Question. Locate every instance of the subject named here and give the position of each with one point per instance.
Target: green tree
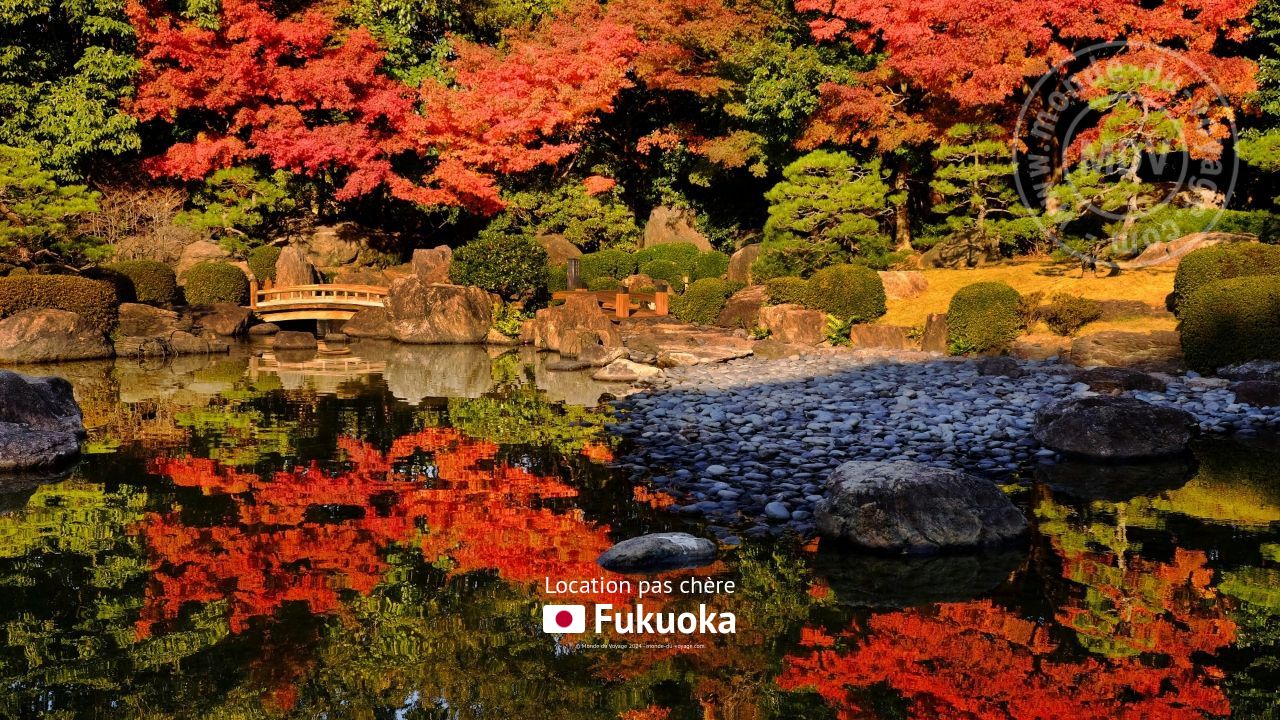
(239, 205)
(974, 180)
(590, 221)
(831, 197)
(38, 216)
(63, 68)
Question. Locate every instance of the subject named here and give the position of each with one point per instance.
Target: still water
(368, 536)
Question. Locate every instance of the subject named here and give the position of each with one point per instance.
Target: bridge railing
(269, 297)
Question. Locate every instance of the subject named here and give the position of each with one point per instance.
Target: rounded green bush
(709, 265)
(682, 254)
(703, 301)
(666, 271)
(849, 292)
(513, 266)
(787, 290)
(598, 284)
(983, 317)
(610, 262)
(216, 282)
(1232, 321)
(557, 278)
(1222, 262)
(152, 282)
(262, 261)
(1066, 314)
(94, 300)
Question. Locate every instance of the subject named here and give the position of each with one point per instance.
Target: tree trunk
(902, 212)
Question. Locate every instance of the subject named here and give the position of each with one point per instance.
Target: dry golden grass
(1149, 285)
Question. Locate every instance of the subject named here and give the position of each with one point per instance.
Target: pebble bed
(748, 444)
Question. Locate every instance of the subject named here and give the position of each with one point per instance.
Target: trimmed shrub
(1066, 314)
(152, 282)
(513, 266)
(983, 317)
(709, 265)
(1222, 262)
(262, 261)
(616, 264)
(557, 278)
(780, 258)
(682, 254)
(849, 292)
(1232, 321)
(787, 290)
(703, 301)
(664, 270)
(94, 300)
(216, 282)
(596, 284)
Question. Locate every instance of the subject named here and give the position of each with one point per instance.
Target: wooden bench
(625, 304)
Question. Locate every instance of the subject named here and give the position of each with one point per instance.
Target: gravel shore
(748, 444)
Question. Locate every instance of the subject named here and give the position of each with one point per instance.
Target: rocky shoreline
(749, 444)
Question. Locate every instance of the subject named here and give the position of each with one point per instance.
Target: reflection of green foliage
(522, 416)
(1252, 687)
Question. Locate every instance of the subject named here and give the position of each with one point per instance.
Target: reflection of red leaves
(653, 712)
(478, 513)
(977, 660)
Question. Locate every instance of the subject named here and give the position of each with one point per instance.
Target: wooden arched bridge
(313, 302)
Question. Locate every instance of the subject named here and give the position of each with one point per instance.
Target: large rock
(1259, 393)
(1040, 346)
(934, 339)
(1117, 380)
(903, 284)
(673, 225)
(1155, 350)
(225, 319)
(658, 551)
(742, 310)
(1113, 428)
(560, 328)
(431, 265)
(138, 320)
(623, 370)
(433, 314)
(1252, 370)
(198, 252)
(361, 276)
(794, 324)
(334, 245)
(911, 508)
(373, 323)
(559, 250)
(44, 335)
(41, 425)
(886, 337)
(294, 340)
(293, 268)
(740, 263)
(1173, 251)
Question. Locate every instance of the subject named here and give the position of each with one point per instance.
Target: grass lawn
(1149, 285)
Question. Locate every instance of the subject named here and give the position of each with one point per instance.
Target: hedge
(597, 284)
(664, 270)
(702, 302)
(1065, 314)
(513, 266)
(616, 264)
(787, 290)
(1232, 321)
(1222, 262)
(849, 292)
(216, 282)
(262, 261)
(713, 264)
(983, 317)
(94, 300)
(684, 255)
(150, 282)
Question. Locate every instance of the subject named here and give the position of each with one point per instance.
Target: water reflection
(254, 540)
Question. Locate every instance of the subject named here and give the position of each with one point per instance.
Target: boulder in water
(658, 551)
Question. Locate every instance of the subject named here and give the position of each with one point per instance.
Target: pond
(371, 536)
